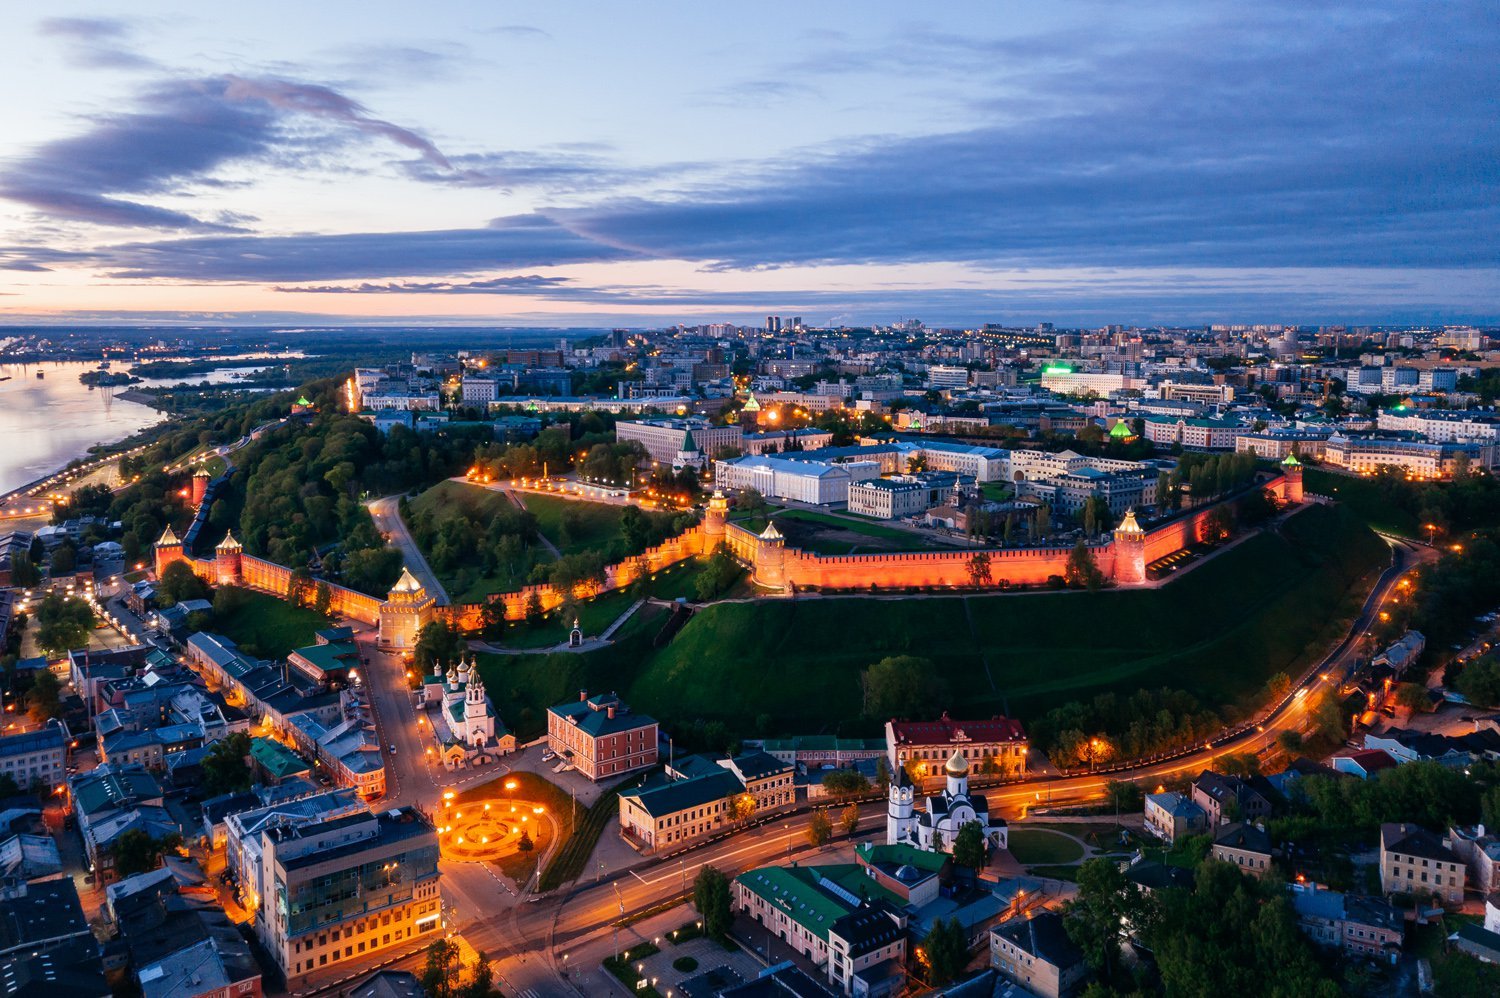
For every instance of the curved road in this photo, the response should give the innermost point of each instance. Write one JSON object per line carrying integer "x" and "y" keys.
{"x": 387, "y": 516}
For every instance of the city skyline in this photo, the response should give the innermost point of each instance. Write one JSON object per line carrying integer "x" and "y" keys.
{"x": 540, "y": 166}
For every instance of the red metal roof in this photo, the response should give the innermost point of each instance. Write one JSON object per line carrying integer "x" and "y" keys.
{"x": 945, "y": 731}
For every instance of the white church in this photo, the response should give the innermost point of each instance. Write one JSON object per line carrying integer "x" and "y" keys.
{"x": 935, "y": 826}
{"x": 465, "y": 725}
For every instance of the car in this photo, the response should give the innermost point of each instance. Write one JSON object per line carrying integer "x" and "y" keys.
{"x": 548, "y": 755}
{"x": 392, "y": 747}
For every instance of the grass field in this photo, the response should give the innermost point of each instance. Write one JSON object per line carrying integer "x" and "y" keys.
{"x": 831, "y": 533}
{"x": 269, "y": 627}
{"x": 1271, "y": 604}
{"x": 1031, "y": 846}
{"x": 1364, "y": 499}
{"x": 598, "y": 523}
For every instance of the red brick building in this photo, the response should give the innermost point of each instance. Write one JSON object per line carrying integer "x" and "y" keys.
{"x": 600, "y": 736}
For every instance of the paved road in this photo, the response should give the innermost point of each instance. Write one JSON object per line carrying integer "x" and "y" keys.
{"x": 387, "y": 516}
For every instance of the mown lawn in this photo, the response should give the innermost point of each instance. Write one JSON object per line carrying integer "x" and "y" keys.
{"x": 269, "y": 627}
{"x": 832, "y": 533}
{"x": 1033, "y": 846}
{"x": 597, "y": 527}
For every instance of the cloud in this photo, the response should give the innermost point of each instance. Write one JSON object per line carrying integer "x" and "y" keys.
{"x": 529, "y": 284}
{"x": 506, "y": 243}
{"x": 179, "y": 134}
{"x": 97, "y": 42}
{"x": 520, "y": 31}
{"x": 756, "y": 93}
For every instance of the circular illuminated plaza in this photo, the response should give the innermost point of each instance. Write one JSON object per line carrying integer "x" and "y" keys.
{"x": 480, "y": 831}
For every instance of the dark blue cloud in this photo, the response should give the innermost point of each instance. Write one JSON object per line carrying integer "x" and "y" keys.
{"x": 519, "y": 241}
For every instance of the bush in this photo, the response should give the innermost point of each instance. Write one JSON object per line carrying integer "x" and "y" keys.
{"x": 685, "y": 964}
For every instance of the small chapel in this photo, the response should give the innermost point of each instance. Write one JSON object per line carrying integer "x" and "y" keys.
{"x": 935, "y": 825}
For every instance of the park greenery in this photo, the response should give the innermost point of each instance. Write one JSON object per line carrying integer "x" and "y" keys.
{"x": 711, "y": 896}
{"x": 1229, "y": 934}
{"x": 226, "y": 766}
{"x": 63, "y": 623}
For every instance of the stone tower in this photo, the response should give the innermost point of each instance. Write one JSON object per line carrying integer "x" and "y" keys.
{"x": 406, "y": 610}
{"x": 168, "y": 549}
{"x": 200, "y": 487}
{"x": 713, "y": 522}
{"x": 1130, "y": 551}
{"x": 770, "y": 559}
{"x": 900, "y": 807}
{"x": 1291, "y": 468}
{"x": 479, "y": 724}
{"x": 228, "y": 561}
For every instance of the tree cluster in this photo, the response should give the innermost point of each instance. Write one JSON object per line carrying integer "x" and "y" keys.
{"x": 903, "y": 686}
{"x": 1143, "y": 723}
{"x": 63, "y": 623}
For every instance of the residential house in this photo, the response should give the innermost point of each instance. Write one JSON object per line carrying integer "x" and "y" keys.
{"x": 1231, "y": 798}
{"x": 1416, "y": 861}
{"x": 1171, "y": 815}
{"x": 1480, "y": 851}
{"x": 1364, "y": 763}
{"x": 1245, "y": 845}
{"x": 36, "y": 757}
{"x": 1036, "y": 952}
{"x": 1358, "y": 926}
{"x": 601, "y": 737}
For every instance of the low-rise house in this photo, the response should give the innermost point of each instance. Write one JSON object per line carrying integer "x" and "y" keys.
{"x": 1405, "y": 745}
{"x": 1170, "y": 815}
{"x": 1036, "y": 952}
{"x": 390, "y": 984}
{"x": 1231, "y": 798}
{"x": 1480, "y": 852}
{"x": 1358, "y": 926}
{"x": 1416, "y": 861}
{"x": 1477, "y": 941}
{"x": 997, "y": 745}
{"x": 112, "y": 800}
{"x": 1245, "y": 845}
{"x": 697, "y": 797}
{"x": 1364, "y": 763}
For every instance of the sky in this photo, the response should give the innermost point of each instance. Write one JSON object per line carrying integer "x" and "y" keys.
{"x": 649, "y": 163}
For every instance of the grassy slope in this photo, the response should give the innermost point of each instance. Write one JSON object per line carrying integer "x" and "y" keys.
{"x": 600, "y": 521}
{"x": 1271, "y": 604}
{"x": 479, "y": 504}
{"x": 885, "y": 538}
{"x": 1363, "y": 498}
{"x": 270, "y": 626}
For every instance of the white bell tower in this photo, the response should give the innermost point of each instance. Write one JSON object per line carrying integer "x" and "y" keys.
{"x": 899, "y": 817}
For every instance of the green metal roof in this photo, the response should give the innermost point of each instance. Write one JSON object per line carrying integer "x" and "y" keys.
{"x": 276, "y": 759}
{"x": 1291, "y": 461}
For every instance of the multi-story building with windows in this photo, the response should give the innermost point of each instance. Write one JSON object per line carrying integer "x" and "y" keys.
{"x": 665, "y": 438}
{"x": 997, "y": 745}
{"x": 1421, "y": 459}
{"x": 1441, "y": 425}
{"x": 35, "y": 757}
{"x": 1416, "y": 861}
{"x": 905, "y": 495}
{"x": 339, "y": 890}
{"x": 1359, "y": 926}
{"x": 1195, "y": 434}
{"x": 600, "y": 737}
{"x": 792, "y": 476}
{"x": 1037, "y": 954}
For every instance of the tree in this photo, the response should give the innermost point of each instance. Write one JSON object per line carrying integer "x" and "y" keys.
{"x": 1289, "y": 742}
{"x": 322, "y": 599}
{"x": 718, "y": 575}
{"x": 482, "y": 983}
{"x": 44, "y": 700}
{"x": 441, "y": 970}
{"x": 845, "y": 782}
{"x": 980, "y": 574}
{"x": 944, "y": 951}
{"x": 1480, "y": 682}
{"x": 1123, "y": 795}
{"x": 1411, "y": 696}
{"x": 224, "y": 767}
{"x": 437, "y": 642}
{"x": 533, "y": 608}
{"x": 1093, "y": 917}
{"x": 524, "y": 843}
{"x": 968, "y": 846}
{"x": 135, "y": 851}
{"x": 63, "y": 623}
{"x": 902, "y": 686}
{"x": 179, "y": 582}
{"x": 849, "y": 819}
{"x": 882, "y": 774}
{"x": 1082, "y": 569}
{"x": 819, "y": 828}
{"x": 711, "y": 898}
{"x": 741, "y": 807}
{"x": 1278, "y": 686}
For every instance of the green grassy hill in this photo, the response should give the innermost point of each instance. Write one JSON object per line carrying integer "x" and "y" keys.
{"x": 596, "y": 524}
{"x": 1272, "y": 604}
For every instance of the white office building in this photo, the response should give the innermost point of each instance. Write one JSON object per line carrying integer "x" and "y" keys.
{"x": 806, "y": 481}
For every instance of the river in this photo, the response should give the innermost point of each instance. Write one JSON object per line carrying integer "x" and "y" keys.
{"x": 47, "y": 422}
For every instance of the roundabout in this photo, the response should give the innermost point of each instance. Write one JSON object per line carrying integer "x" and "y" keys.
{"x": 482, "y": 831}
